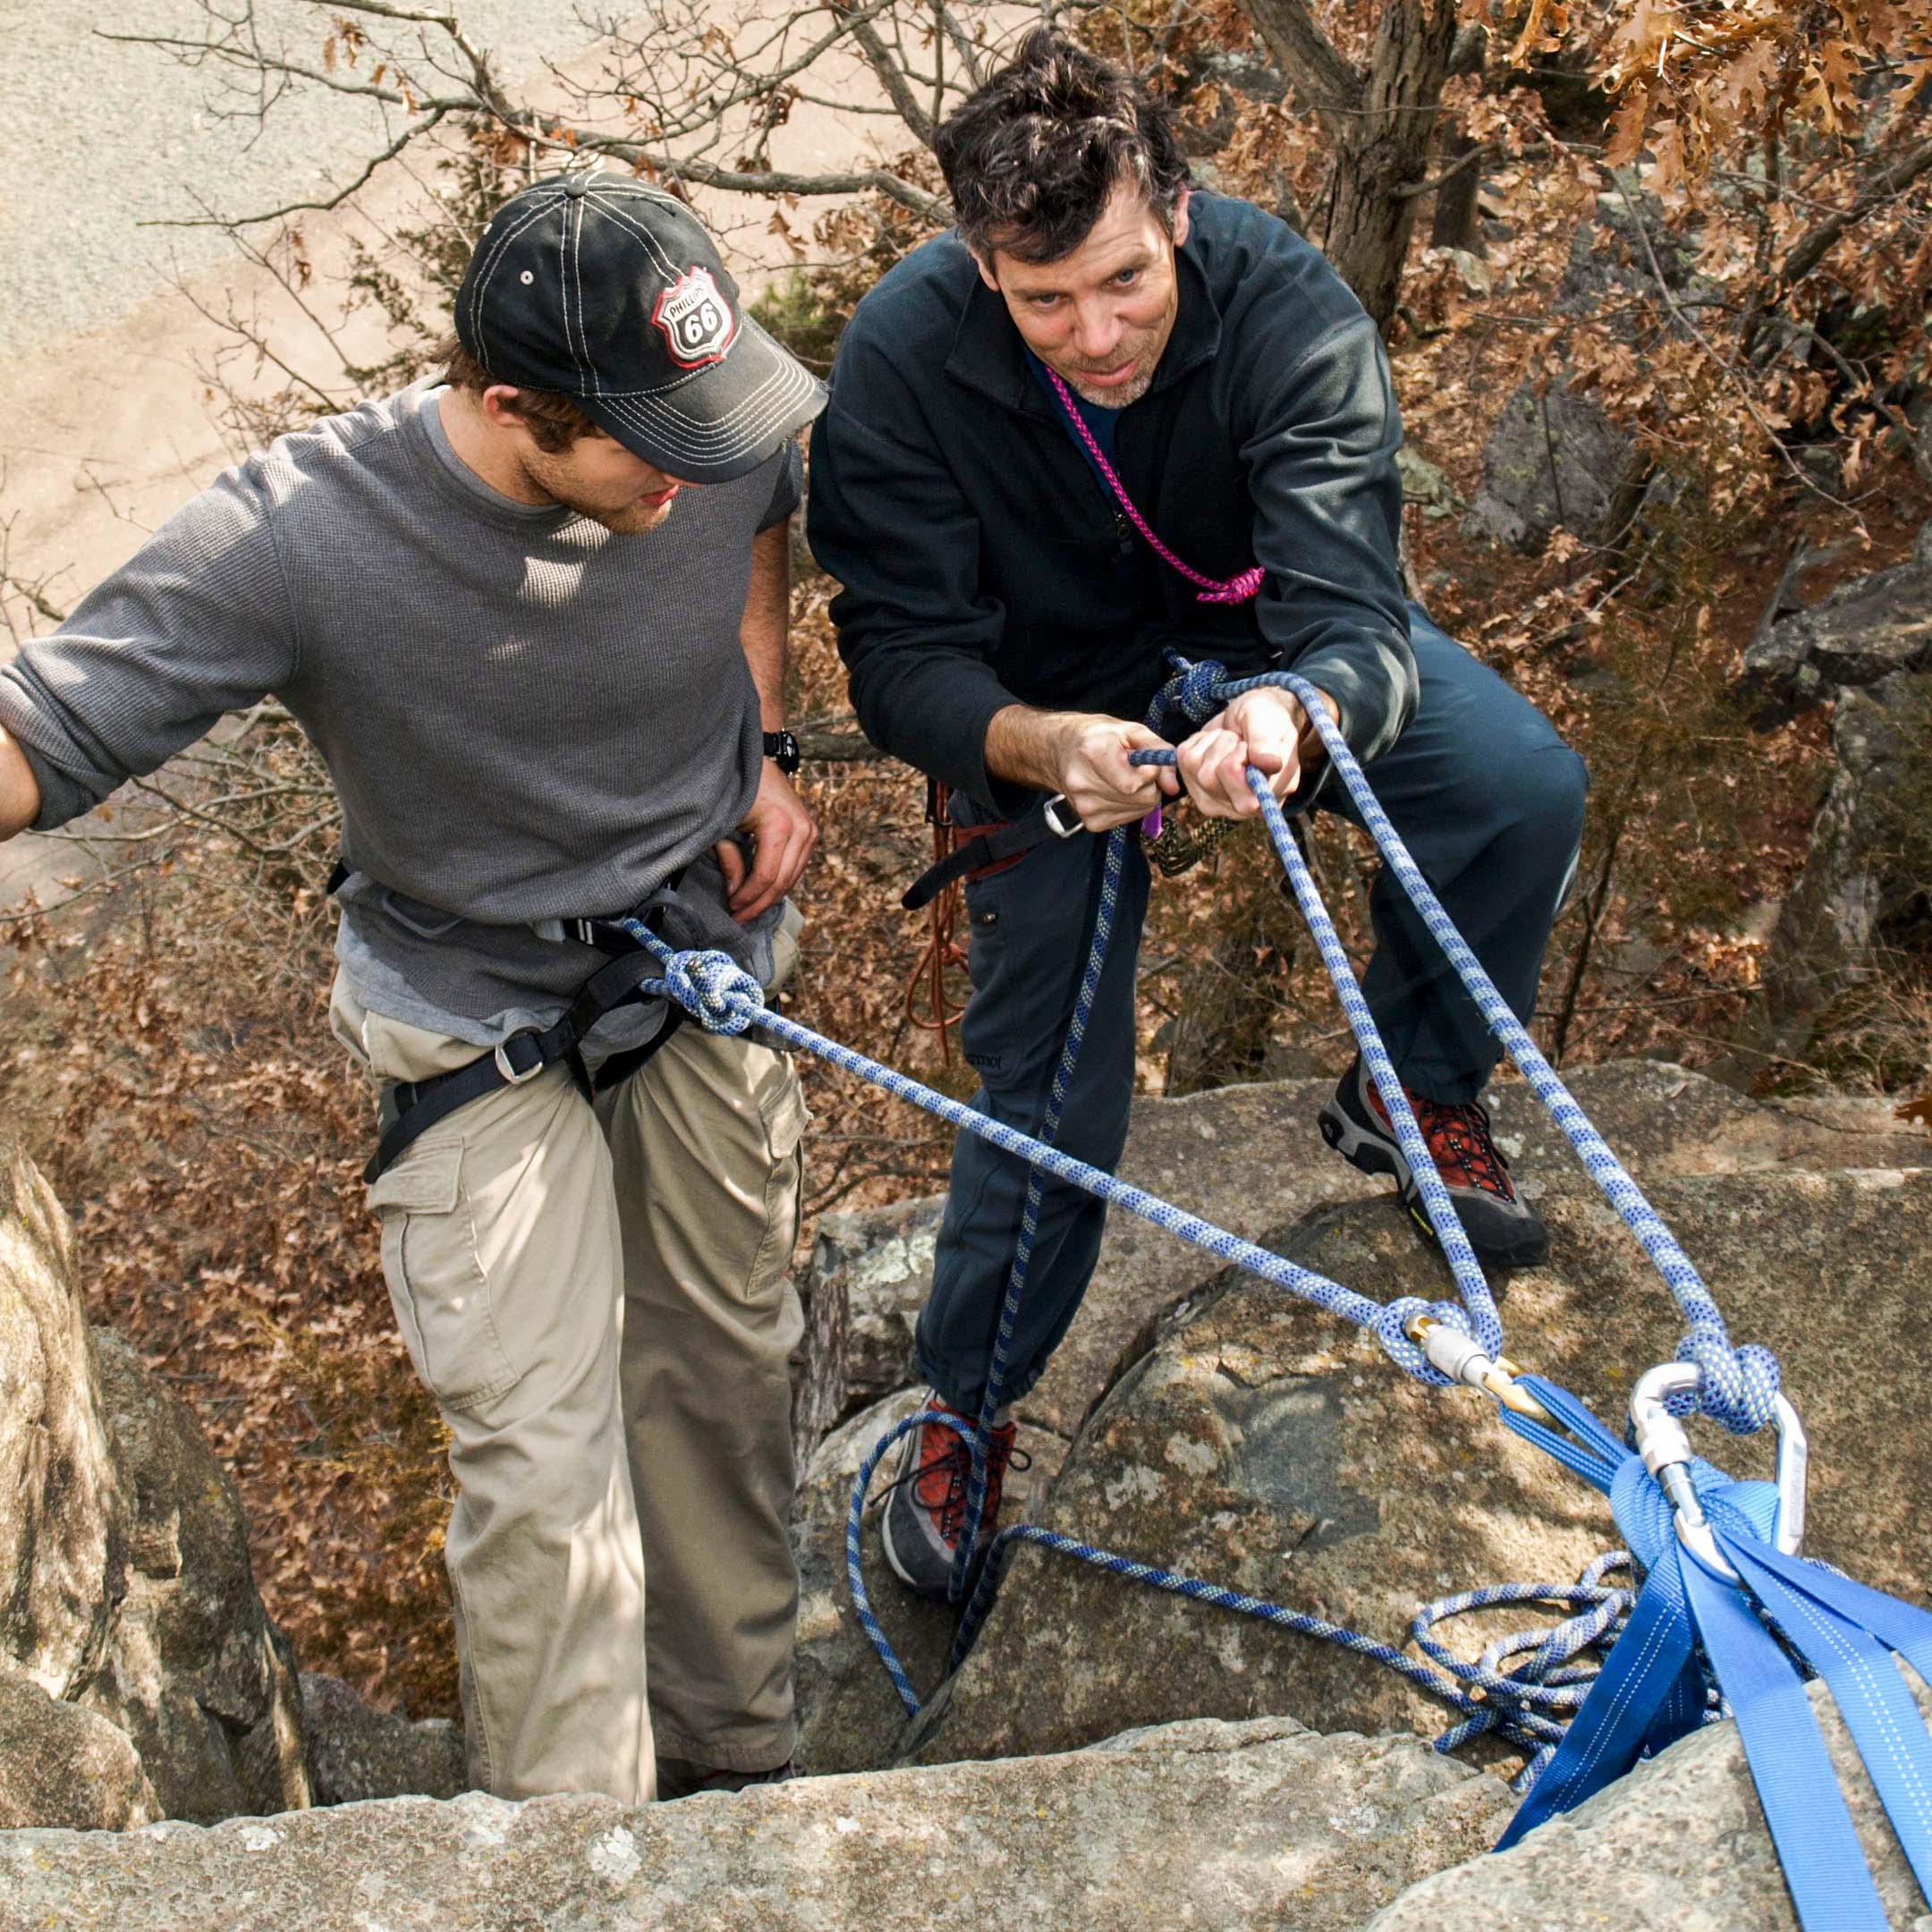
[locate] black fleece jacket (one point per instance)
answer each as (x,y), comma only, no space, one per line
(982,564)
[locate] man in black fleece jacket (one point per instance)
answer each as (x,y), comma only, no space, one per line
(1107,419)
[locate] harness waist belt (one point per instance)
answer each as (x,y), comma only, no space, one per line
(990,846)
(409,1108)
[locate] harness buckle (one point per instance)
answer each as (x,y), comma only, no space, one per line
(511,1075)
(1052,809)
(1661,1441)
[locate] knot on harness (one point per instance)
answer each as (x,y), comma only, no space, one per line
(1740,1386)
(1391,1331)
(1193,691)
(714,989)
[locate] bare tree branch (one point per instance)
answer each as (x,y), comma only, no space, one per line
(702,117)
(961,44)
(1739,383)
(892,77)
(1885,186)
(1449,173)
(432,117)
(768,181)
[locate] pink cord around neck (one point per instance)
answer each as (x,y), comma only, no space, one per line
(1236,590)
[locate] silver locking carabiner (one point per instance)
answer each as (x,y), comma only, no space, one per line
(1666,1450)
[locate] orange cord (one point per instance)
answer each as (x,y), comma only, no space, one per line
(936,1013)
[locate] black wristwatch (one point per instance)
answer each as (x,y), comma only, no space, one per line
(782,749)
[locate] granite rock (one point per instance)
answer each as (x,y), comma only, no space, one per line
(126,1586)
(62,1520)
(1553,460)
(1678,1845)
(195,1673)
(357,1752)
(850,1717)
(1233,1826)
(64,1765)
(1866,887)
(1250,1158)
(1264,1445)
(1865,631)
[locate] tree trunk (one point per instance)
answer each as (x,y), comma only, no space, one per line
(1455,224)
(1384,150)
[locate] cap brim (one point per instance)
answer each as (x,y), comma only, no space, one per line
(722,422)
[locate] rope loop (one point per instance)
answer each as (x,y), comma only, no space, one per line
(714,990)
(1739,1387)
(1391,1329)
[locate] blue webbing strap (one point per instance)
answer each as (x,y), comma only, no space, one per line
(1831,1886)
(1651,1693)
(1816,1610)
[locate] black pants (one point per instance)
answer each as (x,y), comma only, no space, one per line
(1490,802)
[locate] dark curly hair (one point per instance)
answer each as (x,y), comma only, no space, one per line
(1031,159)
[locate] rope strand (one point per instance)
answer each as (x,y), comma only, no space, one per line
(1522,1687)
(1239,588)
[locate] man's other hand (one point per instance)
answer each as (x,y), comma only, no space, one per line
(1266,728)
(1083,755)
(19,792)
(783,834)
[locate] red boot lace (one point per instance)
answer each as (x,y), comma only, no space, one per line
(942,1479)
(1458,1138)
(1460,1143)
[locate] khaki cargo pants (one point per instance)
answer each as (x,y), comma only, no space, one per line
(599,1300)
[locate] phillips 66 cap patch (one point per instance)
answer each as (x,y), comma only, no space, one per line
(696,319)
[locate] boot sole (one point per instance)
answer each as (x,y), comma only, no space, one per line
(1368,1155)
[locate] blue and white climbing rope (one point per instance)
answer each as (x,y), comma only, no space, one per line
(1629,1668)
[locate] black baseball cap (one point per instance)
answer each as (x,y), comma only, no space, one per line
(609,291)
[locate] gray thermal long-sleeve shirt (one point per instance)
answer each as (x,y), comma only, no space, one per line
(526,717)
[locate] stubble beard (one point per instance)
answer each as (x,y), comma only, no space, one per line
(634,519)
(1126,394)
(1119,397)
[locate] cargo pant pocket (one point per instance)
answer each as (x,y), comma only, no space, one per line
(782,1108)
(437,1283)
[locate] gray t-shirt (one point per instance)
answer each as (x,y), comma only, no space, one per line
(527,718)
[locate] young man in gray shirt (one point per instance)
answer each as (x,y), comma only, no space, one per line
(534,619)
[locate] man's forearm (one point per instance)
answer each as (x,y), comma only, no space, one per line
(764,631)
(19,795)
(1026,747)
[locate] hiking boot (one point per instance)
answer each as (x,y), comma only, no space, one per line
(681,1777)
(1501,1227)
(926,1502)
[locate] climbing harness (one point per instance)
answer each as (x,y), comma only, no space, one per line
(990,848)
(1725,1603)
(928,1005)
(408,1109)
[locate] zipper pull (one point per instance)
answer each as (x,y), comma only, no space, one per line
(1123,533)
